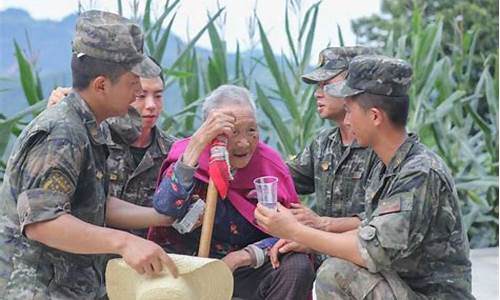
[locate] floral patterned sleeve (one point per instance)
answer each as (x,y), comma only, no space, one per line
(174,190)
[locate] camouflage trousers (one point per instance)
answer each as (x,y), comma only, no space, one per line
(341,279)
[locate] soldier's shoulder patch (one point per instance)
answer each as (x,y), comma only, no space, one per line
(58,182)
(387,206)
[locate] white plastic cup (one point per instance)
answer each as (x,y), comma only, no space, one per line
(267,191)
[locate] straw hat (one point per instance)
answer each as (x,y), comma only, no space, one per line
(199,279)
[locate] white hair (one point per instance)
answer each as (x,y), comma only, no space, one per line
(227,94)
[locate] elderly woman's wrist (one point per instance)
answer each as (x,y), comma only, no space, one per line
(184,173)
(246,259)
(192,154)
(256,256)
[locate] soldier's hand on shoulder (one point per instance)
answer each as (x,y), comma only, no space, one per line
(57,95)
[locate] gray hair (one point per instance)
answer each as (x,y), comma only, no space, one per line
(227,94)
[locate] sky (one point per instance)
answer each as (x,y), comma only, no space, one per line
(192,16)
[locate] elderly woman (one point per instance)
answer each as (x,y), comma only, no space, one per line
(237,240)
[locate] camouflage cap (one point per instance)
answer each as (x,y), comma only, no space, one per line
(128,127)
(333,61)
(113,38)
(374,74)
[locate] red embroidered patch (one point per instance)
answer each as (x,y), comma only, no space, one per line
(179,202)
(174,187)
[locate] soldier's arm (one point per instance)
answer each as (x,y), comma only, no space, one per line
(339,225)
(308,217)
(70,234)
(284,225)
(50,172)
(343,245)
(302,170)
(125,215)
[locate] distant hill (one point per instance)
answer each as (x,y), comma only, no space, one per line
(50,48)
(50,40)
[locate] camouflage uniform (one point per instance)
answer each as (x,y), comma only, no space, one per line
(412,240)
(128,181)
(334,172)
(58,166)
(336,175)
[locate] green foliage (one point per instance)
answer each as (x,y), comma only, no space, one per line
(459,18)
(30,82)
(456,115)
(452,45)
(288,104)
(185,70)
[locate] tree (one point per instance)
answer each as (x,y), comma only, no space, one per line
(459,17)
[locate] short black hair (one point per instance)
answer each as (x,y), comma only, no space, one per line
(159,66)
(85,68)
(396,108)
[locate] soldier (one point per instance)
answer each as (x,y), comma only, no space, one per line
(412,244)
(54,196)
(137,147)
(333,165)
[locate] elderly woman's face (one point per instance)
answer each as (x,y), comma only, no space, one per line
(242,144)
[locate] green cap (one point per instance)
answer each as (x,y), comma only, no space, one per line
(113,38)
(333,61)
(374,74)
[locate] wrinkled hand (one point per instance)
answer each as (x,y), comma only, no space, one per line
(284,246)
(146,257)
(218,122)
(57,95)
(305,215)
(237,259)
(281,223)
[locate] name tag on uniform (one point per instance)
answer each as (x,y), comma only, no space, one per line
(389,206)
(357,174)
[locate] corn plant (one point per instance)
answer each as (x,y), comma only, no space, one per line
(453,113)
(206,74)
(288,104)
(456,117)
(11,127)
